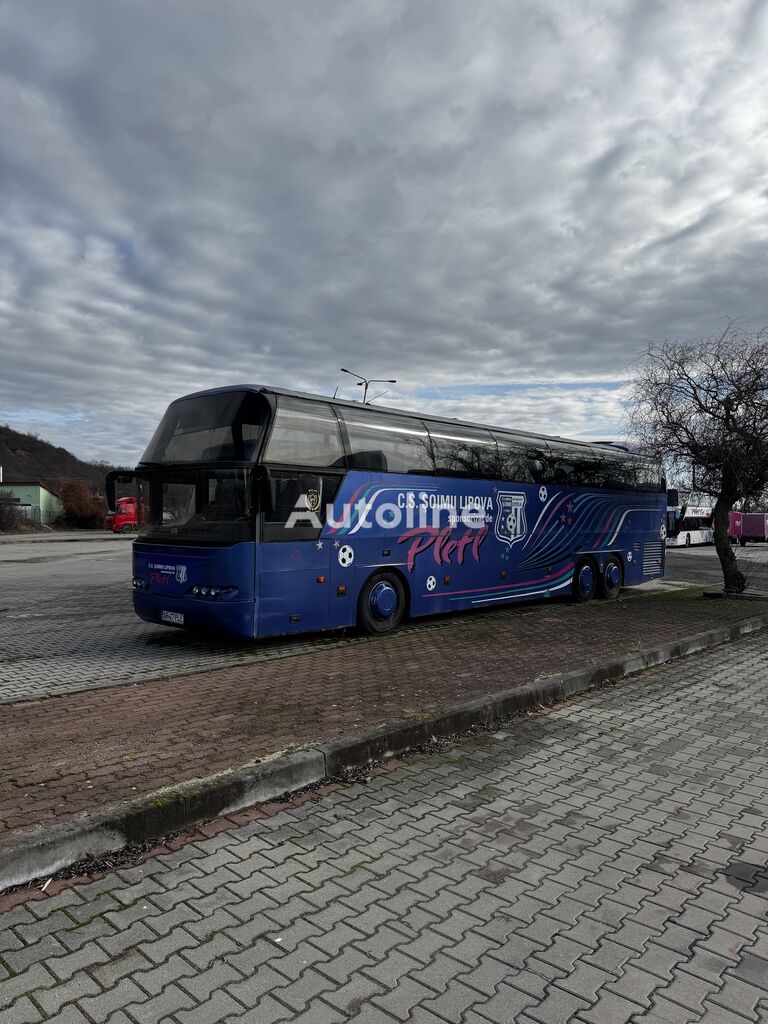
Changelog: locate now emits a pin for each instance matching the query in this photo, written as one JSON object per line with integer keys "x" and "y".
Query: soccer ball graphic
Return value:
{"x": 346, "y": 556}
{"x": 431, "y": 583}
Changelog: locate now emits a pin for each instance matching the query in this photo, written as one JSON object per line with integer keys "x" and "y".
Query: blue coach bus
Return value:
{"x": 264, "y": 511}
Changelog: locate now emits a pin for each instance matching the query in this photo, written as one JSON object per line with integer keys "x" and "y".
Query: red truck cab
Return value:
{"x": 125, "y": 518}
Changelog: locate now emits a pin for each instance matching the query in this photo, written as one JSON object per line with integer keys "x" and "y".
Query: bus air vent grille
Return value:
{"x": 652, "y": 559}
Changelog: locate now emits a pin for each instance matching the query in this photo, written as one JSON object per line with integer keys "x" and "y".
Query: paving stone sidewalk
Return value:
{"x": 601, "y": 863}
{"x": 67, "y": 756}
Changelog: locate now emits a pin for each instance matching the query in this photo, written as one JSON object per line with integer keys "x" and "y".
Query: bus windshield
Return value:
{"x": 196, "y": 506}
{"x": 223, "y": 427}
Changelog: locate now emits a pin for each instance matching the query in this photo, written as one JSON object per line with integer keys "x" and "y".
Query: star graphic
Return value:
{"x": 570, "y": 507}
{"x": 336, "y": 544}
{"x": 319, "y": 545}
{"x": 563, "y": 517}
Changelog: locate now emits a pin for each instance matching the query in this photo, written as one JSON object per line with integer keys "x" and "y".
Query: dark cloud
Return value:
{"x": 196, "y": 194}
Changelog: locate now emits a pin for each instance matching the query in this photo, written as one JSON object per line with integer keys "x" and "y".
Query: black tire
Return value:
{"x": 742, "y": 542}
{"x": 584, "y": 585}
{"x": 376, "y": 622}
{"x": 127, "y": 528}
{"x": 611, "y": 579}
{"x": 687, "y": 540}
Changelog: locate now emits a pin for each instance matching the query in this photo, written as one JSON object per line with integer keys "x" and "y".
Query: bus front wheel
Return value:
{"x": 687, "y": 540}
{"x": 584, "y": 580}
{"x": 611, "y": 579}
{"x": 381, "y": 607}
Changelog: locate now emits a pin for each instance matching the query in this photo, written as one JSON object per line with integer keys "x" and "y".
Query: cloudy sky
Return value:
{"x": 497, "y": 203}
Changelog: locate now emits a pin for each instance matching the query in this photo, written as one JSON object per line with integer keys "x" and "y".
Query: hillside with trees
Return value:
{"x": 28, "y": 457}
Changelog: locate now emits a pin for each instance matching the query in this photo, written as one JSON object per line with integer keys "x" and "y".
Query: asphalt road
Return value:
{"x": 67, "y": 623}
{"x": 700, "y": 564}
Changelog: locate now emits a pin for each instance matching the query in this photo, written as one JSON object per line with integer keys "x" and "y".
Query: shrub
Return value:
{"x": 83, "y": 508}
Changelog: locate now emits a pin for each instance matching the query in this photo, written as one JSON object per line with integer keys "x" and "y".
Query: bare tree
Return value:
{"x": 704, "y": 404}
{"x": 10, "y": 518}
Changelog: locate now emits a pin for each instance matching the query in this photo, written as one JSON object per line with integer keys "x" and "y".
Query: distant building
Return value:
{"x": 33, "y": 499}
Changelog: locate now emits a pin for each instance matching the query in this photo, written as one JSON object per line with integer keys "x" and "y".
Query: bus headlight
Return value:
{"x": 210, "y": 591}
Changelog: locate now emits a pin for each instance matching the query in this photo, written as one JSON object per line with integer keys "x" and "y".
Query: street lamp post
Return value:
{"x": 365, "y": 382}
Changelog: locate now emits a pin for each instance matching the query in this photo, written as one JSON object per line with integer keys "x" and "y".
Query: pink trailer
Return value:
{"x": 744, "y": 526}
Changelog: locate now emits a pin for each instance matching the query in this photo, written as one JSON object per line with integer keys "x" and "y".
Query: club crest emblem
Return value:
{"x": 510, "y": 525}
{"x": 313, "y": 500}
{"x": 181, "y": 574}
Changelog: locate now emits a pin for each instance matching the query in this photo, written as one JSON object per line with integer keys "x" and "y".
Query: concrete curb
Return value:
{"x": 49, "y": 849}
{"x": 40, "y": 538}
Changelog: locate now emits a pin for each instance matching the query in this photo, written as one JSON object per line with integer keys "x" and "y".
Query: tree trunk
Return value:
{"x": 734, "y": 581}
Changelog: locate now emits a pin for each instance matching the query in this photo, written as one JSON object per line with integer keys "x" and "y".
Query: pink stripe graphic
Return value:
{"x": 504, "y": 586}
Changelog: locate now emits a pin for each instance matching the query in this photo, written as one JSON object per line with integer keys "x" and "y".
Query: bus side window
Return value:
{"x": 305, "y": 433}
{"x": 516, "y": 461}
{"x": 297, "y": 494}
{"x": 386, "y": 444}
{"x": 463, "y": 451}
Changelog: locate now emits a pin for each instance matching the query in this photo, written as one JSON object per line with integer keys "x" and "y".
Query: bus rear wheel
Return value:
{"x": 687, "y": 540}
{"x": 381, "y": 607}
{"x": 611, "y": 579}
{"x": 584, "y": 580}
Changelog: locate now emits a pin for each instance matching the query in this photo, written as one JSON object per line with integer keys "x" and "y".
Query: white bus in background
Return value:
{"x": 689, "y": 524}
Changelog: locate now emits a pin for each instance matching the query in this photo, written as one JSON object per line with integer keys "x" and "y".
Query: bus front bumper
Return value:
{"x": 234, "y": 617}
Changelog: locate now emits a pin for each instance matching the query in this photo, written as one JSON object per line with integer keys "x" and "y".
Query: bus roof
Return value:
{"x": 525, "y": 435}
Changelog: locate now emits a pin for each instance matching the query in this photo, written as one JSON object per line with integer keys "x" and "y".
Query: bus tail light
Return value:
{"x": 139, "y": 583}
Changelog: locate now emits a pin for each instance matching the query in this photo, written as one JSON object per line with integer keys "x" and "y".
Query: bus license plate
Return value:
{"x": 177, "y": 618}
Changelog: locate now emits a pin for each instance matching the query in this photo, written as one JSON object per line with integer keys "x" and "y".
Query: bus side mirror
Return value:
{"x": 109, "y": 487}
{"x": 113, "y": 478}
